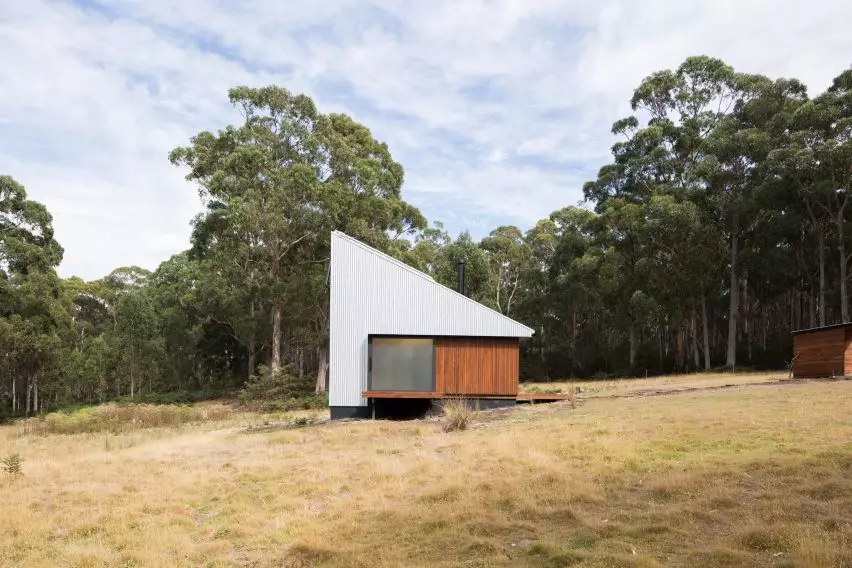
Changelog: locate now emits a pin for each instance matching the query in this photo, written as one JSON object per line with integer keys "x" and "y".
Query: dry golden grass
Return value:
{"x": 652, "y": 385}
{"x": 735, "y": 477}
{"x": 456, "y": 414}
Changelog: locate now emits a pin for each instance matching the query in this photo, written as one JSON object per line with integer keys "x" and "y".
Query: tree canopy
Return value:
{"x": 720, "y": 224}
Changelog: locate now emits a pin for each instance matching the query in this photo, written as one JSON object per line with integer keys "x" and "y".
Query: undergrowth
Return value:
{"x": 118, "y": 418}
{"x": 280, "y": 392}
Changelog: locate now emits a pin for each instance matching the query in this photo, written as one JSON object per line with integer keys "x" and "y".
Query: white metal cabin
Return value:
{"x": 396, "y": 333}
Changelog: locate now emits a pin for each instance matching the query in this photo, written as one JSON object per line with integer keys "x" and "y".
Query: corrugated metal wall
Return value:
{"x": 372, "y": 293}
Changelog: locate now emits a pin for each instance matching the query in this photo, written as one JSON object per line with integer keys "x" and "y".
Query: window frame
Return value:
{"x": 370, "y": 339}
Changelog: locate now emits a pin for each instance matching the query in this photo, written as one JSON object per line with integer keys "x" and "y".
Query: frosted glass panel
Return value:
{"x": 402, "y": 364}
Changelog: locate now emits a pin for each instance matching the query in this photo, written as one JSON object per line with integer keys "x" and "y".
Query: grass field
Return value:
{"x": 741, "y": 476}
{"x": 664, "y": 384}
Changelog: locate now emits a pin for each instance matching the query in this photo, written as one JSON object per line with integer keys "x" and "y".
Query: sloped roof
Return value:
{"x": 390, "y": 297}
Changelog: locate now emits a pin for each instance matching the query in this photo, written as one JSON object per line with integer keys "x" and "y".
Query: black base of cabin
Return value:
{"x": 401, "y": 408}
{"x": 410, "y": 408}
{"x": 341, "y": 412}
{"x": 491, "y": 403}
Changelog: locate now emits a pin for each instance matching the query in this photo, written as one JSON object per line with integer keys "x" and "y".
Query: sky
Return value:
{"x": 499, "y": 110}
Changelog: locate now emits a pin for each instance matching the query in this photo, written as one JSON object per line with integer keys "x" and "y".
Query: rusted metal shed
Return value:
{"x": 823, "y": 352}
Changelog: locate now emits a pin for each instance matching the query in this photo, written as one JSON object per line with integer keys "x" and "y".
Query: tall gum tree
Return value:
{"x": 275, "y": 187}
{"x": 674, "y": 153}
{"x": 262, "y": 175}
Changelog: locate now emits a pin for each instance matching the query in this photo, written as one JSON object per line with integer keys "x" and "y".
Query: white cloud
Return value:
{"x": 499, "y": 110}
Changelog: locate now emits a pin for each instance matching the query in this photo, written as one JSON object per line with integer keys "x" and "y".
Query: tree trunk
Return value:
{"x": 14, "y": 395}
{"x": 694, "y": 331}
{"x": 35, "y": 396}
{"x": 731, "y": 359}
{"x": 841, "y": 247}
{"x": 821, "y": 249}
{"x": 252, "y": 358}
{"x": 29, "y": 394}
{"x": 746, "y": 309}
{"x": 706, "y": 332}
{"x": 573, "y": 339}
{"x": 322, "y": 370}
{"x": 811, "y": 310}
{"x": 634, "y": 345}
{"x": 797, "y": 310}
{"x": 252, "y": 347}
{"x": 275, "y": 361}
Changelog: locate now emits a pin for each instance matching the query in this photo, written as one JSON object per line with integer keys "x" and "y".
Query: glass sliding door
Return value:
{"x": 404, "y": 364}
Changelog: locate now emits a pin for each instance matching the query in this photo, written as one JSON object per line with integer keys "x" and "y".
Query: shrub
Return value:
{"x": 302, "y": 421}
{"x": 11, "y": 464}
{"x": 304, "y": 403}
{"x": 174, "y": 397}
{"x": 281, "y": 385}
{"x": 456, "y": 414}
{"x": 117, "y": 418}
{"x": 282, "y": 391}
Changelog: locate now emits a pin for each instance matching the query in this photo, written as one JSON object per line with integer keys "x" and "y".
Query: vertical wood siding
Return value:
{"x": 847, "y": 354}
{"x": 820, "y": 353}
{"x": 468, "y": 365}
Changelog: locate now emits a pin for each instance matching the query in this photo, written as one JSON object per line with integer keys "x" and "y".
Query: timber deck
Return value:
{"x": 520, "y": 397}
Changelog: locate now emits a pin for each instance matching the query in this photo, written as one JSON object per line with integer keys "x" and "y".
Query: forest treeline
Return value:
{"x": 718, "y": 227}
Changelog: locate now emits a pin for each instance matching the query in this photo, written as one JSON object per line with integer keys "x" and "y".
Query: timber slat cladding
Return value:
{"x": 847, "y": 353}
{"x": 821, "y": 353}
{"x": 468, "y": 365}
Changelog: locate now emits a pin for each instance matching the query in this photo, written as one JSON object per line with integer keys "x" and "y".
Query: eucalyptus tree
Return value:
{"x": 33, "y": 313}
{"x": 274, "y": 188}
{"x": 691, "y": 147}
{"x": 510, "y": 259}
{"x": 260, "y": 178}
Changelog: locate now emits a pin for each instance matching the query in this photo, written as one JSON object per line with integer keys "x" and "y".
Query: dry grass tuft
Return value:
{"x": 456, "y": 414}
{"x": 121, "y": 418}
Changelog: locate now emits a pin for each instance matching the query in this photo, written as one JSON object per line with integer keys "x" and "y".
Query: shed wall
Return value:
{"x": 372, "y": 293}
{"x": 820, "y": 353}
{"x": 847, "y": 354}
{"x": 476, "y": 366}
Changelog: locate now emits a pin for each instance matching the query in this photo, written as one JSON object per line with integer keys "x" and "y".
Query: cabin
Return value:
{"x": 823, "y": 352}
{"x": 397, "y": 336}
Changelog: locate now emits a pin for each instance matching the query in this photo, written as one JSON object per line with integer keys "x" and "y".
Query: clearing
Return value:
{"x": 735, "y": 476}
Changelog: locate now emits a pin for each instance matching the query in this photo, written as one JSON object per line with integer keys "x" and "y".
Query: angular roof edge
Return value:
{"x": 823, "y": 328}
{"x": 386, "y": 256}
{"x": 423, "y": 275}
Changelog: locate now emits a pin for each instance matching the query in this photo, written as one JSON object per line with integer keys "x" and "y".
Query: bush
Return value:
{"x": 11, "y": 464}
{"x": 175, "y": 397}
{"x": 304, "y": 403}
{"x": 118, "y": 418}
{"x": 281, "y": 385}
{"x": 456, "y": 414}
{"x": 282, "y": 391}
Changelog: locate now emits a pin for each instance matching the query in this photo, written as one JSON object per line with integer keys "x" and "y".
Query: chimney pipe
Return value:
{"x": 460, "y": 276}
